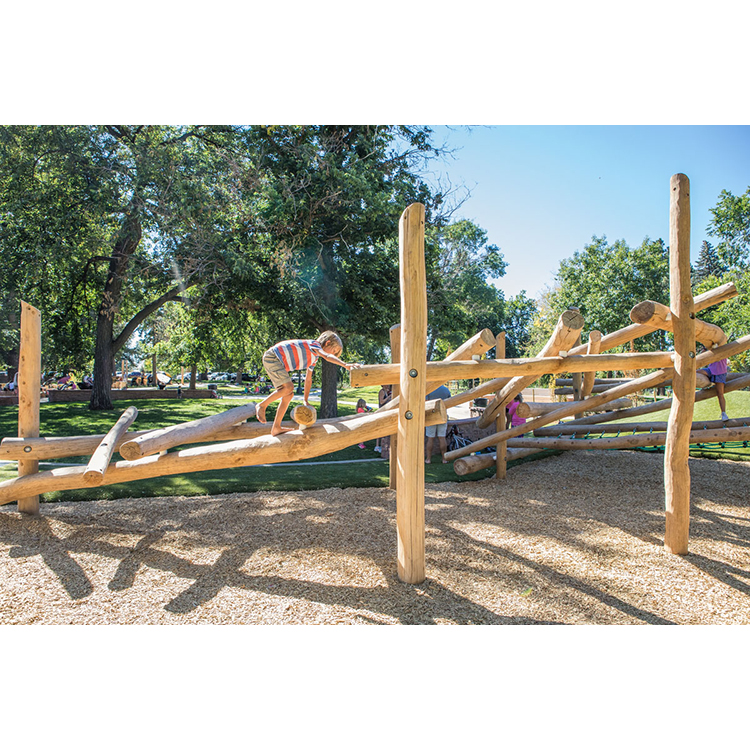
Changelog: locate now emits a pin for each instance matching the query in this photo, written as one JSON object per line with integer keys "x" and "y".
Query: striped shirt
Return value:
{"x": 297, "y": 354}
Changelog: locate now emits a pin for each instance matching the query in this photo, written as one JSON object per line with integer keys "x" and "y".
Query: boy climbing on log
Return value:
{"x": 292, "y": 355}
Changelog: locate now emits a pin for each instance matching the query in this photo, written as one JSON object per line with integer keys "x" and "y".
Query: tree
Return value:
{"x": 316, "y": 247}
{"x": 107, "y": 224}
{"x": 605, "y": 282}
{"x": 730, "y": 223}
{"x": 708, "y": 264}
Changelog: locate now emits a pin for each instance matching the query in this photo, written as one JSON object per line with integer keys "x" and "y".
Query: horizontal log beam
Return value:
{"x": 511, "y": 368}
{"x": 472, "y": 464}
{"x": 289, "y": 446}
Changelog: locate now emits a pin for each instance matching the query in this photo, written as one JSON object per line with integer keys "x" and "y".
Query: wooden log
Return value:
{"x": 535, "y": 409}
{"x": 298, "y": 445}
{"x": 703, "y": 301}
{"x": 412, "y": 382}
{"x": 593, "y": 347}
{"x": 501, "y": 453}
{"x": 738, "y": 382}
{"x": 29, "y": 389}
{"x": 395, "y": 340}
{"x": 568, "y": 428}
{"x": 304, "y": 416}
{"x": 659, "y": 316}
{"x": 568, "y": 382}
{"x": 701, "y": 381}
{"x": 187, "y": 432}
{"x": 477, "y": 344}
{"x": 472, "y": 464}
{"x": 623, "y": 442}
{"x": 647, "y": 381}
{"x": 677, "y": 450}
{"x": 97, "y": 466}
{"x": 517, "y": 368}
{"x": 84, "y": 445}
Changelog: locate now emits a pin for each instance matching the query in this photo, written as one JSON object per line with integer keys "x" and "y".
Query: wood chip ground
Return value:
{"x": 573, "y": 539}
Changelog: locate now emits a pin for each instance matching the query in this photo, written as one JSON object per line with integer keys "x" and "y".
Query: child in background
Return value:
{"x": 361, "y": 408}
{"x": 291, "y": 355}
{"x": 717, "y": 374}
{"x": 511, "y": 418}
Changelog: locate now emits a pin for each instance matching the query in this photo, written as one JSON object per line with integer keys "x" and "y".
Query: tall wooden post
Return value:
{"x": 410, "y": 446}
{"x": 677, "y": 451}
{"x": 395, "y": 334}
{"x": 29, "y": 386}
{"x": 501, "y": 452}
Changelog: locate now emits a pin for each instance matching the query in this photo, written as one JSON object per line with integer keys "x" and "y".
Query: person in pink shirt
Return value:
{"x": 511, "y": 418}
{"x": 717, "y": 374}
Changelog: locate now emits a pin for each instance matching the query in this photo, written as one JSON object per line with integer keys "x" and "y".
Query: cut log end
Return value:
{"x": 304, "y": 416}
{"x": 131, "y": 451}
{"x": 643, "y": 312}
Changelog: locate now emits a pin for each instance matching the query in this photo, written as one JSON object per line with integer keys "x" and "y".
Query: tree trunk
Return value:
{"x": 193, "y": 376}
{"x": 104, "y": 352}
{"x": 328, "y": 398}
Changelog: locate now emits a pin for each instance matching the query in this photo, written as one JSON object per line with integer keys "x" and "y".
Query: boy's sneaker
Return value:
{"x": 724, "y": 416}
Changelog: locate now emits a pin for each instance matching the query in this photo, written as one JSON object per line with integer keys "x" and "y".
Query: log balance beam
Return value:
{"x": 316, "y": 440}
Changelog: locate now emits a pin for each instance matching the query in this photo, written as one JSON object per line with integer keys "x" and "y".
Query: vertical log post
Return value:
{"x": 410, "y": 461}
{"x": 124, "y": 375}
{"x": 29, "y": 386}
{"x": 593, "y": 347}
{"x": 577, "y": 378}
{"x": 395, "y": 334}
{"x": 677, "y": 451}
{"x": 501, "y": 452}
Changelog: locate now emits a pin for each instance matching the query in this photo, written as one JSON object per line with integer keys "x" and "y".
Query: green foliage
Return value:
{"x": 708, "y": 265}
{"x": 730, "y": 223}
{"x": 605, "y": 282}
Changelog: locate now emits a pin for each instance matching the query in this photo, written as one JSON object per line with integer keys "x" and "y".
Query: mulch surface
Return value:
{"x": 572, "y": 539}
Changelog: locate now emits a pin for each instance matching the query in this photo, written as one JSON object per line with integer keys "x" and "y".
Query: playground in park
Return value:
{"x": 593, "y": 533}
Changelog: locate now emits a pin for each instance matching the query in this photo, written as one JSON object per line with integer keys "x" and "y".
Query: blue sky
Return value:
{"x": 542, "y": 192}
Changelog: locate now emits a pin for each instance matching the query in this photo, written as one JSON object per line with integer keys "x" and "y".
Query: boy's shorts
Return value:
{"x": 714, "y": 378}
{"x": 436, "y": 430}
{"x": 276, "y": 370}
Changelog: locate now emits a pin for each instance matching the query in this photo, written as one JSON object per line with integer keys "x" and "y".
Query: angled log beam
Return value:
{"x": 642, "y": 440}
{"x": 703, "y": 301}
{"x": 535, "y": 409}
{"x": 186, "y": 432}
{"x": 656, "y": 315}
{"x": 97, "y": 466}
{"x": 735, "y": 382}
{"x": 647, "y": 381}
{"x": 566, "y": 332}
{"x": 623, "y": 427}
{"x": 319, "y": 439}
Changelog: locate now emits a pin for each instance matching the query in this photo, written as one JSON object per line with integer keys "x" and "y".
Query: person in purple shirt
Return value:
{"x": 717, "y": 374}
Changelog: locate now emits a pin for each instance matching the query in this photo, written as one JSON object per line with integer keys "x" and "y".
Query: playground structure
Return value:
{"x": 234, "y": 442}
